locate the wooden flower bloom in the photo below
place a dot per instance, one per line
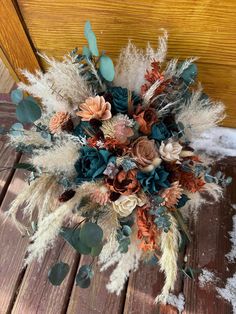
(95, 108)
(172, 194)
(59, 121)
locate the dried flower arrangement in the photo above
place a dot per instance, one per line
(111, 166)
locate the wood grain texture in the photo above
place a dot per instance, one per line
(36, 294)
(12, 247)
(208, 248)
(143, 287)
(204, 28)
(8, 154)
(13, 40)
(6, 80)
(95, 299)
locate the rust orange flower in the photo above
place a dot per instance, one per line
(172, 195)
(125, 183)
(145, 118)
(95, 108)
(187, 180)
(147, 230)
(58, 121)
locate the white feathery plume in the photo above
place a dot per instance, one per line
(199, 114)
(66, 152)
(127, 262)
(160, 54)
(29, 137)
(185, 65)
(150, 92)
(133, 63)
(171, 68)
(168, 261)
(110, 253)
(199, 198)
(60, 88)
(32, 195)
(49, 228)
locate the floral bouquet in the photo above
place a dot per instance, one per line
(111, 168)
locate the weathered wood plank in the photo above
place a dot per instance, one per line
(143, 287)
(13, 40)
(96, 298)
(8, 156)
(208, 249)
(36, 294)
(12, 247)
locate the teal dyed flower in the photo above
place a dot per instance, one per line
(120, 99)
(153, 181)
(92, 163)
(160, 132)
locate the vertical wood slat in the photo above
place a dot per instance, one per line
(36, 294)
(8, 156)
(208, 248)
(12, 247)
(13, 40)
(96, 299)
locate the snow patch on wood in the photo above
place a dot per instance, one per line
(176, 301)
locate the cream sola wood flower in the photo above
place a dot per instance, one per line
(173, 151)
(95, 108)
(125, 204)
(170, 151)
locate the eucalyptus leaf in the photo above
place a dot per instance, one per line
(91, 38)
(83, 248)
(16, 129)
(126, 230)
(25, 166)
(86, 52)
(72, 236)
(106, 68)
(87, 28)
(28, 111)
(58, 273)
(92, 42)
(95, 251)
(17, 96)
(228, 180)
(83, 278)
(91, 234)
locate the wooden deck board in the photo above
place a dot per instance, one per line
(36, 294)
(96, 299)
(12, 247)
(208, 248)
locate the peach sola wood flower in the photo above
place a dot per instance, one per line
(95, 108)
(59, 122)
